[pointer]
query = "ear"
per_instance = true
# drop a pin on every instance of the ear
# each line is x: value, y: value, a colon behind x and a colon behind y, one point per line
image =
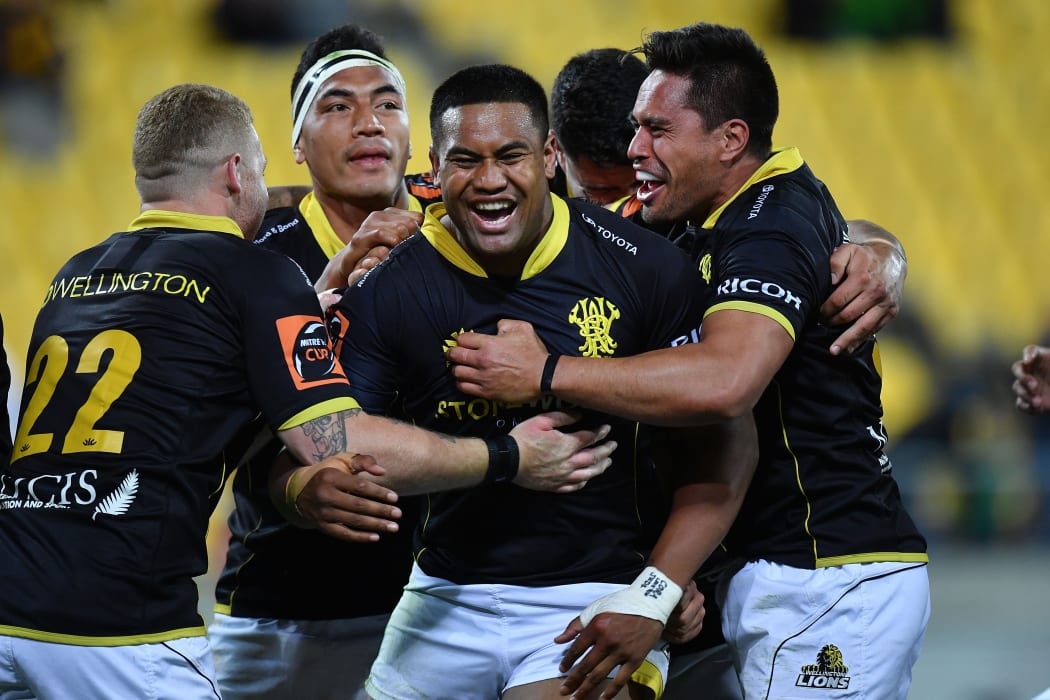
x: 410, y: 149
x: 435, y: 163
x: 558, y: 152
x: 233, y: 174
x: 297, y: 151
x: 550, y: 155
x: 736, y: 135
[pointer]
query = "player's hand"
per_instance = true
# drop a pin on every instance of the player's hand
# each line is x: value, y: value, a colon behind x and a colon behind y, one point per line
x: 562, y: 462
x: 688, y: 617
x: 378, y: 233
x: 329, y: 298
x: 1032, y: 380
x: 870, y: 279
x: 610, y: 640
x: 337, y: 500
x: 505, y: 367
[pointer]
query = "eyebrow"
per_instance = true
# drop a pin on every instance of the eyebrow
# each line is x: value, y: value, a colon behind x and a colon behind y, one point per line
x: 649, y: 120
x: 505, y: 148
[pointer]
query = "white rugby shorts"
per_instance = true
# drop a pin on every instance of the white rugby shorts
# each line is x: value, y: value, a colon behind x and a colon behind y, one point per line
x: 179, y: 669
x: 472, y: 642
x: 835, y: 633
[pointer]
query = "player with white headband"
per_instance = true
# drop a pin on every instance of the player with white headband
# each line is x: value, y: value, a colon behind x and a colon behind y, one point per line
x: 295, y: 615
x: 311, y: 82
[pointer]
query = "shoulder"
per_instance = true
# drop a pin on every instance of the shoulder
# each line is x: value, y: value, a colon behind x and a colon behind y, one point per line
x: 608, y: 230
x: 279, y: 225
x: 795, y: 203
x: 254, y: 261
x: 401, y: 266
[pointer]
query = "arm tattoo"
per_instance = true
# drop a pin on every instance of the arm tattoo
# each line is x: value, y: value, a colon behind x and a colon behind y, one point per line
x: 328, y: 433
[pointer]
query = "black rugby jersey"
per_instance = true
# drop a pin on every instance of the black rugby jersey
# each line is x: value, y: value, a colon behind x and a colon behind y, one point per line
x: 150, y: 351
x: 823, y: 493
x: 595, y: 286
x: 276, y: 570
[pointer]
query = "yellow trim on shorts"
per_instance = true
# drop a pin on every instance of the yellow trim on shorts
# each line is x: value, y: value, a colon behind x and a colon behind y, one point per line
x: 870, y: 557
x: 760, y: 309
x: 343, y: 403
x: 83, y: 641
x: 649, y: 676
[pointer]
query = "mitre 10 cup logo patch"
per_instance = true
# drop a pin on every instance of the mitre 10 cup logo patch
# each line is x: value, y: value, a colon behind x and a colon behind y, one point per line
x: 829, y: 672
x: 308, y: 351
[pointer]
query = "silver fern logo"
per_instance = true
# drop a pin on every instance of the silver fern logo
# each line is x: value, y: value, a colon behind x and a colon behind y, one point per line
x: 118, y: 502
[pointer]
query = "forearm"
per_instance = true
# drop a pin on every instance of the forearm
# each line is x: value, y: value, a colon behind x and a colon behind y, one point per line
x: 709, y: 471
x: 415, y: 460
x: 663, y: 387
x: 700, y: 518
x: 720, y: 378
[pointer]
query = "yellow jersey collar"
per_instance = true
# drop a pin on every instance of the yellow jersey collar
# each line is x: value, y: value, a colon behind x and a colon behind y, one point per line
x: 552, y: 242
x: 783, y: 160
x: 324, y: 234
x: 161, y: 218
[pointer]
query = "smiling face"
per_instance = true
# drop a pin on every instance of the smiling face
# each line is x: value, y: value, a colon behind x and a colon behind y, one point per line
x: 677, y: 160
x: 493, y: 163
x: 355, y: 137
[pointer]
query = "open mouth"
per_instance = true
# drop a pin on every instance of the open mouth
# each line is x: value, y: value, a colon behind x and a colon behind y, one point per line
x: 493, y: 215
x: 648, y: 185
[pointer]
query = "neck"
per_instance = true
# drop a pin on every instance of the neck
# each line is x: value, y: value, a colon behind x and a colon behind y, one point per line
x: 204, y: 207
x: 346, y: 215
x: 737, y: 173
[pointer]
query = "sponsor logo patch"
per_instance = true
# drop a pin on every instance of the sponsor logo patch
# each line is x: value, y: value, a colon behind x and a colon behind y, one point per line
x: 308, y: 351
x: 829, y: 672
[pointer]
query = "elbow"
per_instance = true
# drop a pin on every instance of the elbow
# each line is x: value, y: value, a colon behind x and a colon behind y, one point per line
x: 723, y: 401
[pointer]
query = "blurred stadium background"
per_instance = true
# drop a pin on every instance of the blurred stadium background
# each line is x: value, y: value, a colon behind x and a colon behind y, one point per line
x: 927, y: 116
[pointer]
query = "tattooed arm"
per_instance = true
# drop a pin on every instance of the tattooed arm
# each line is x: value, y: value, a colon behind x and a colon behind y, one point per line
x: 414, y: 460
x: 350, y: 452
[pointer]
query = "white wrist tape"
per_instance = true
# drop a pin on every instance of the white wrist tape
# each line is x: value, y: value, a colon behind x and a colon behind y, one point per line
x: 651, y: 595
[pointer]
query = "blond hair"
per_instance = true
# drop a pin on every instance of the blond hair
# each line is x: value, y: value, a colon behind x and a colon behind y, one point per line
x: 182, y: 133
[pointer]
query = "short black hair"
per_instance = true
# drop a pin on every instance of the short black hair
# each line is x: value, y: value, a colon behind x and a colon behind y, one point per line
x: 730, y: 76
x: 493, y: 82
x: 344, y: 38
x: 591, y: 103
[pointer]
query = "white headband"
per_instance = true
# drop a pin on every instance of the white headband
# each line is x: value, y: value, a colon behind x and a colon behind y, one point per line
x: 310, y: 83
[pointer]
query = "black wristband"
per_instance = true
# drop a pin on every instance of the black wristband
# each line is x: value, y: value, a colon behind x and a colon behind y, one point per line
x: 548, y: 374
x: 503, y: 460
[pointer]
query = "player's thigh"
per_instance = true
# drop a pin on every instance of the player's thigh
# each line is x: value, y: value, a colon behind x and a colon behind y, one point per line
x: 551, y: 690
x: 179, y: 669
x: 440, y: 643
x: 537, y: 616
x: 12, y: 684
